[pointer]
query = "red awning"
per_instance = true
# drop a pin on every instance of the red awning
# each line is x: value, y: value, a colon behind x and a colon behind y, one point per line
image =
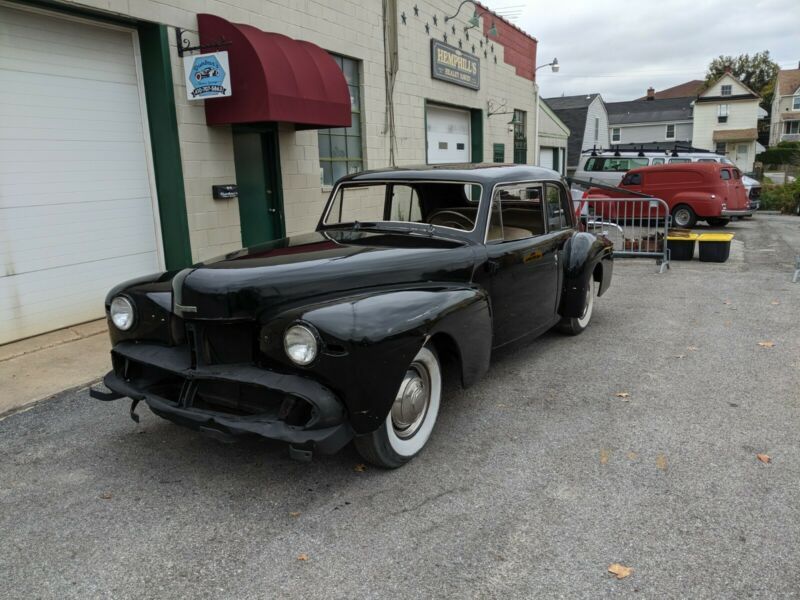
x: 275, y: 78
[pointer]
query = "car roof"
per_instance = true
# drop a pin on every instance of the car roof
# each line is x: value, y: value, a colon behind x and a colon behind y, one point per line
x: 484, y: 173
x: 700, y: 167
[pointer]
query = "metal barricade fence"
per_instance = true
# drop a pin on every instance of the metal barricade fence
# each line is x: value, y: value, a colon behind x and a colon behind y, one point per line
x: 637, y: 224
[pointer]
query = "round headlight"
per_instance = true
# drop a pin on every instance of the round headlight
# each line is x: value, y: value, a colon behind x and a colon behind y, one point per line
x: 122, y: 313
x: 300, y: 343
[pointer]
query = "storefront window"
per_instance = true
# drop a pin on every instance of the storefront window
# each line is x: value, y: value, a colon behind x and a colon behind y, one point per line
x: 340, y: 147
x: 520, y: 137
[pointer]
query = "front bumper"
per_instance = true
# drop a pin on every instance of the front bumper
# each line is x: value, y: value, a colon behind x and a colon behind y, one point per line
x: 229, y: 400
x: 737, y: 213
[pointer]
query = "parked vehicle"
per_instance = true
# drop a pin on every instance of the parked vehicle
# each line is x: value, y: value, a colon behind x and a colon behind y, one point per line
x: 711, y: 192
x: 341, y: 334
x: 608, y: 166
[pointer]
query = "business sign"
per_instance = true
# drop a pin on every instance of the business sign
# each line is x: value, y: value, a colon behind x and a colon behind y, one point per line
x: 207, y: 76
x: 455, y: 66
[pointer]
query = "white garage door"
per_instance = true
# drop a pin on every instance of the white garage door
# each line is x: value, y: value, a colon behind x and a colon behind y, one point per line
x: 448, y: 135
x: 546, y: 157
x: 76, y: 206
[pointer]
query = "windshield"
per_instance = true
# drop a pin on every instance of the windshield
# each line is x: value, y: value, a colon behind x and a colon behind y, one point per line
x: 375, y: 205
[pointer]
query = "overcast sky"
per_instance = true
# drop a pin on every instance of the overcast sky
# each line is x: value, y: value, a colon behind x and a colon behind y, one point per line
x: 619, y: 48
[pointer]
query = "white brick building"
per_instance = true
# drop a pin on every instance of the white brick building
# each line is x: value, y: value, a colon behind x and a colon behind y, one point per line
x: 108, y: 169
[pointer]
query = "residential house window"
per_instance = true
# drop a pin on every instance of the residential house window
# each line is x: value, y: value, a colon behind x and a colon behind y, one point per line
x: 791, y: 127
x: 722, y: 113
x: 670, y: 135
x: 596, y: 129
x: 499, y: 153
x: 796, y: 102
x: 520, y: 137
x: 720, y: 148
x: 340, y: 148
x: 726, y: 90
x: 616, y: 134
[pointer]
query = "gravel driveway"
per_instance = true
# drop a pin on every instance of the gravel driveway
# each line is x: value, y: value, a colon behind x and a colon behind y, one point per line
x: 534, y: 482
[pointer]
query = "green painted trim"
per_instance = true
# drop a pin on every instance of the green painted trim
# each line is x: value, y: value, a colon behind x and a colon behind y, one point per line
x: 476, y: 134
x: 166, y: 148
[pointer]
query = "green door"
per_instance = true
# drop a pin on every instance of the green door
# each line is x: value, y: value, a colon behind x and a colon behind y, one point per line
x: 258, y: 168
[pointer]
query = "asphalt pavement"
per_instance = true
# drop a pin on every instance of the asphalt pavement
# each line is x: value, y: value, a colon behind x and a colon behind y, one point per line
x: 634, y: 443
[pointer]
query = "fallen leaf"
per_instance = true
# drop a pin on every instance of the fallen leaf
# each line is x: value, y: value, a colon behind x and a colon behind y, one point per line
x: 106, y: 496
x: 766, y: 344
x: 623, y: 395
x: 728, y: 323
x: 620, y: 571
x: 302, y: 556
x: 661, y: 462
x: 294, y: 514
x: 691, y: 348
x: 360, y: 468
x: 632, y: 455
x: 775, y: 302
x: 604, y: 454
x: 765, y: 458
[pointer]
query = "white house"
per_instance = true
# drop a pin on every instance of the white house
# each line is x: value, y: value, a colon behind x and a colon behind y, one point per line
x: 586, y: 117
x: 784, y: 123
x: 664, y: 121
x: 725, y: 120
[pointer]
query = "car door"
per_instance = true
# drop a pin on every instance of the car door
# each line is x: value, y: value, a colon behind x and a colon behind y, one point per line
x: 521, y: 271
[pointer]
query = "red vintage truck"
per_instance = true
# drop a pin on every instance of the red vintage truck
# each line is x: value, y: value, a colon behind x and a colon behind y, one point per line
x: 711, y: 192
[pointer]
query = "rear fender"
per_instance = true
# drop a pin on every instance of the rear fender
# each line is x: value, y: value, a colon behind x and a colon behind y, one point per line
x: 702, y: 204
x: 586, y: 256
x: 368, y: 342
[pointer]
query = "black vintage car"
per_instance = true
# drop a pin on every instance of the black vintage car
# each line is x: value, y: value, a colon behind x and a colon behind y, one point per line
x: 340, y: 334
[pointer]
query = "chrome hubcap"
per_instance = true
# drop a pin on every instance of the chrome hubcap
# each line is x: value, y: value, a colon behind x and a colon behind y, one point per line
x: 681, y: 217
x: 411, y: 402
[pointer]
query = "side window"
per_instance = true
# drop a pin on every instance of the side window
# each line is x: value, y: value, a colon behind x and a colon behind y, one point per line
x: 590, y: 164
x: 632, y: 179
x: 557, y: 218
x: 405, y: 204
x: 737, y: 174
x: 725, y: 174
x: 516, y: 213
x: 658, y: 161
x: 706, y: 160
x: 674, y: 161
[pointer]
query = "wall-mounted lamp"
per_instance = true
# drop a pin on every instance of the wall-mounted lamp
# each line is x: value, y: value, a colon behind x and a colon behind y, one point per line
x: 474, y: 20
x: 554, y: 65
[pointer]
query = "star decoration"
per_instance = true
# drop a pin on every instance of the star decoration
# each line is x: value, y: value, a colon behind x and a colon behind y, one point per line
x: 492, y: 48
x: 444, y: 36
x: 435, y: 21
x: 403, y: 17
x: 454, y: 29
x: 495, y: 59
x: 459, y: 43
x: 466, y: 34
x: 485, y: 54
x: 481, y: 43
x: 427, y: 29
x: 416, y: 10
x: 473, y: 48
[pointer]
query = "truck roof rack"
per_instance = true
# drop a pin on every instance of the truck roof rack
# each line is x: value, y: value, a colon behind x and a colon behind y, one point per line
x: 646, y: 148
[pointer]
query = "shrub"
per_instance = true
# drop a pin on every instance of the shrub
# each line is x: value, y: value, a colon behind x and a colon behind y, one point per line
x: 785, y: 198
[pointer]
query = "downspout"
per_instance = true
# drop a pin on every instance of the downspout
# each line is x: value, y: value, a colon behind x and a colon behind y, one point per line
x: 390, y: 62
x: 536, y: 122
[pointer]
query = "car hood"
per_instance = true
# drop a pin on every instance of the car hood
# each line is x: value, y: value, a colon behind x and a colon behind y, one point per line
x: 313, y: 267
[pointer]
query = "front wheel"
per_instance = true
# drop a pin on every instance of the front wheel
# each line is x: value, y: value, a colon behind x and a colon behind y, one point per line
x: 411, y: 419
x: 683, y: 216
x: 576, y: 325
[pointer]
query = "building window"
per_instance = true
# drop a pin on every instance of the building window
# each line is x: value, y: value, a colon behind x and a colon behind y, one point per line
x: 720, y: 148
x: 499, y: 153
x: 616, y: 134
x: 726, y: 90
x: 670, y: 135
x: 520, y: 137
x: 340, y: 148
x: 791, y: 127
x: 722, y: 113
x: 596, y: 129
x: 796, y: 103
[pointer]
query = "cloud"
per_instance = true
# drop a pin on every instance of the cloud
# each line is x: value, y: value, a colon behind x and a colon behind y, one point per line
x: 619, y: 48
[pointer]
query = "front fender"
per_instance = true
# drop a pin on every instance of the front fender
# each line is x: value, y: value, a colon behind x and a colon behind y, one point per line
x: 583, y: 254
x: 369, y: 341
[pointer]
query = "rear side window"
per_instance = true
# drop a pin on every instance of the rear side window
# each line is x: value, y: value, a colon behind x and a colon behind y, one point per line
x: 614, y: 164
x: 725, y: 174
x: 676, y: 161
x: 737, y: 174
x: 658, y: 161
x: 632, y: 179
x: 706, y: 160
x: 557, y: 208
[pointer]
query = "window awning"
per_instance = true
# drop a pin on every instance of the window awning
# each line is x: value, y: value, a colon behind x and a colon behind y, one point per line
x: 275, y: 78
x: 735, y: 135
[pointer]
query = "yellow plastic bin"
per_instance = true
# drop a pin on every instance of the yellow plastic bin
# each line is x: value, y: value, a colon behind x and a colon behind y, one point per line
x: 681, y: 246
x: 715, y: 247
